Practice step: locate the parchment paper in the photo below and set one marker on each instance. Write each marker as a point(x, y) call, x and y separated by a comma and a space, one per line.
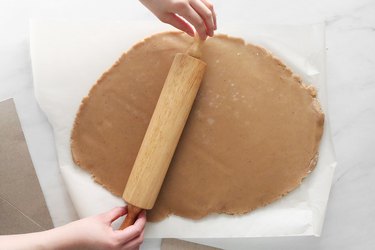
point(69, 56)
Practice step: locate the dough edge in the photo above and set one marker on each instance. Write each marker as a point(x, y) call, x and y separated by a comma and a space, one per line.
point(311, 90)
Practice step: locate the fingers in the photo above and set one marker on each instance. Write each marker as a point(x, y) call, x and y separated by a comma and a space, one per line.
point(178, 23)
point(114, 214)
point(135, 243)
point(134, 230)
point(192, 17)
point(206, 15)
point(198, 13)
point(210, 6)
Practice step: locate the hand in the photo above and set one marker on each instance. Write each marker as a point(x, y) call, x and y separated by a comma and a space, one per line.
point(96, 232)
point(90, 233)
point(199, 13)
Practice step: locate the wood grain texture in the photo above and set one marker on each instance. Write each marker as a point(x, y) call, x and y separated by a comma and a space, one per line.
point(164, 131)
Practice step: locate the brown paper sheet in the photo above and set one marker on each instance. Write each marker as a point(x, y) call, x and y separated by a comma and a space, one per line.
point(174, 244)
point(22, 205)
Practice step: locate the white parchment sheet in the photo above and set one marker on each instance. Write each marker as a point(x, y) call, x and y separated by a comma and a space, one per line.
point(69, 56)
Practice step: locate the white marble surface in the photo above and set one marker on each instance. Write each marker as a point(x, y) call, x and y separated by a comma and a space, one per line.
point(350, 38)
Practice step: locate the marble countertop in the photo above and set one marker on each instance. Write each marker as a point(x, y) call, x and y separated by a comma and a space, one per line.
point(350, 41)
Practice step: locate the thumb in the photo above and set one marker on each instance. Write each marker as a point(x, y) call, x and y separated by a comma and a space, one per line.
point(115, 213)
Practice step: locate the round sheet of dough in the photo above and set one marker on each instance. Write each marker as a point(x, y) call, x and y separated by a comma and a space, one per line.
point(251, 137)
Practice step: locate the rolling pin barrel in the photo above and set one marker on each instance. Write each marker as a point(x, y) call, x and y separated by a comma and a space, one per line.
point(163, 133)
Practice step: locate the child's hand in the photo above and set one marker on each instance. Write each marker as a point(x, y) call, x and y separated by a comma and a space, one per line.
point(199, 13)
point(96, 232)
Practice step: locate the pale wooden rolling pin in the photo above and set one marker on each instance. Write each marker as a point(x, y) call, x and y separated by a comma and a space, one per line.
point(163, 132)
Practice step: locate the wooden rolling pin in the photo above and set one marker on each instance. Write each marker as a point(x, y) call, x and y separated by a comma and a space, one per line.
point(163, 132)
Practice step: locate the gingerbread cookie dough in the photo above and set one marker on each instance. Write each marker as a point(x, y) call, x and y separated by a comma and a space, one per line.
point(251, 137)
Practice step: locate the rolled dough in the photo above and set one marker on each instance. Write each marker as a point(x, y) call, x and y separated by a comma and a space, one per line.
point(251, 137)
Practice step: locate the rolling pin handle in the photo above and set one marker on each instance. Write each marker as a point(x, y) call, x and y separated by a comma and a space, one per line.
point(131, 217)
